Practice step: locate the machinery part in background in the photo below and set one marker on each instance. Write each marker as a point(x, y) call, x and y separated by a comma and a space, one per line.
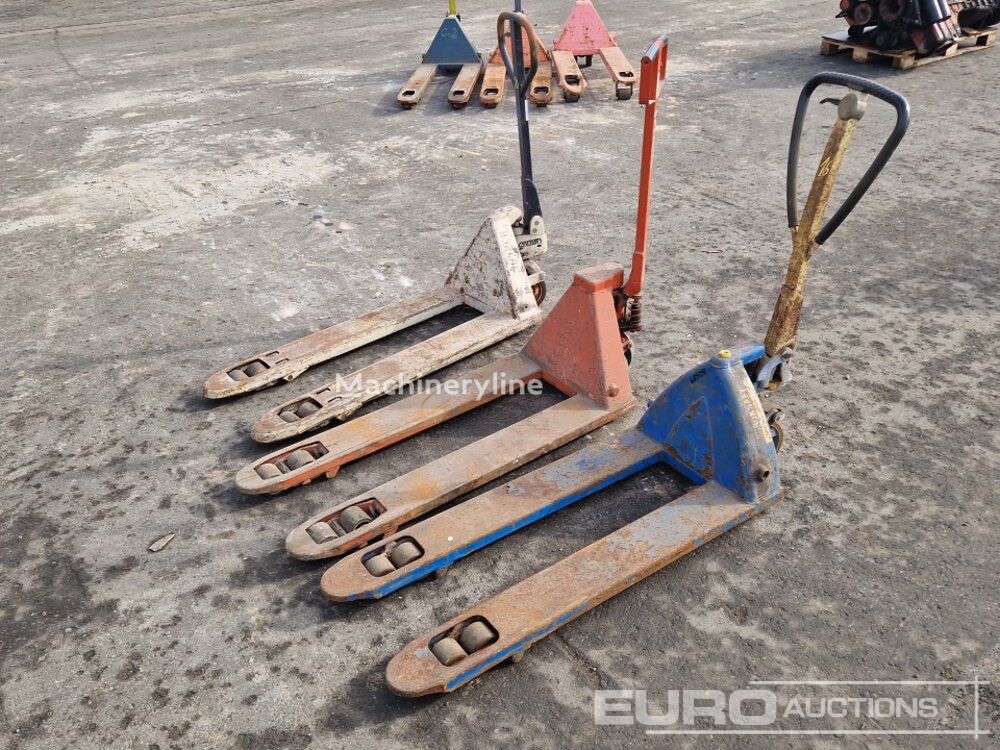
point(976, 14)
point(931, 26)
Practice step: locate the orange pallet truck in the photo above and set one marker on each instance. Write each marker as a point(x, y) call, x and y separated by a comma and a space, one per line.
point(582, 349)
point(495, 78)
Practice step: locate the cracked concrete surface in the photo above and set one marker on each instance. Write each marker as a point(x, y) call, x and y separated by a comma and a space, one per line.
point(185, 183)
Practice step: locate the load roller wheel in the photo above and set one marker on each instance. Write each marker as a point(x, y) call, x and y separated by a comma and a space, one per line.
point(588, 60)
point(379, 566)
point(778, 436)
point(404, 554)
point(448, 651)
point(353, 518)
point(539, 289)
point(623, 92)
point(268, 471)
point(475, 636)
point(300, 458)
point(568, 97)
point(238, 375)
point(254, 368)
point(289, 415)
point(306, 408)
point(322, 532)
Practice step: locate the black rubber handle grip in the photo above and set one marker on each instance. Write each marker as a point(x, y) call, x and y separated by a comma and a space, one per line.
point(862, 85)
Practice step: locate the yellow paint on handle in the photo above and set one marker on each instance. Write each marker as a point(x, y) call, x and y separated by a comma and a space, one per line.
point(452, 7)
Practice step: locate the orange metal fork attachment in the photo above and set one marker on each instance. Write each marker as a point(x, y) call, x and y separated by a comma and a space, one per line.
point(495, 79)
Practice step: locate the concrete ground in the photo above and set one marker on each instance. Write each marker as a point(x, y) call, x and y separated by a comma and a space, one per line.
point(183, 186)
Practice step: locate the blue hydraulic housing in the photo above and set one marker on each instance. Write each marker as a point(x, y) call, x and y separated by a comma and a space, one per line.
point(451, 47)
point(712, 426)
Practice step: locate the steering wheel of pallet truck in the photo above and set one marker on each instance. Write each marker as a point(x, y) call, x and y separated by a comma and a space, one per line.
point(864, 86)
point(518, 22)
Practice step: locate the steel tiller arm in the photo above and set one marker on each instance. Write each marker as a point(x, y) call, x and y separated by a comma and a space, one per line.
point(653, 74)
point(808, 230)
point(522, 86)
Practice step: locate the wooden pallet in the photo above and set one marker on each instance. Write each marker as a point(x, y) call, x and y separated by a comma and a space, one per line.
point(971, 40)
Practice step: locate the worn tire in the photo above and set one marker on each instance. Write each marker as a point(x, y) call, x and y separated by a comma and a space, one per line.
point(539, 290)
point(306, 408)
point(353, 518)
point(448, 651)
point(778, 436)
point(475, 636)
point(321, 532)
point(379, 566)
point(300, 458)
point(268, 471)
point(404, 554)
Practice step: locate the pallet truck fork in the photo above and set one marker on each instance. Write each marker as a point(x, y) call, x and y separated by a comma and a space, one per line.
point(582, 349)
point(530, 45)
point(584, 36)
point(498, 275)
point(450, 50)
point(710, 426)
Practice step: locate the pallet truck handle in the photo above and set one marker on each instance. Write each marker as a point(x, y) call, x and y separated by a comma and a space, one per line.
point(532, 208)
point(518, 21)
point(864, 86)
point(653, 74)
point(782, 333)
point(453, 9)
